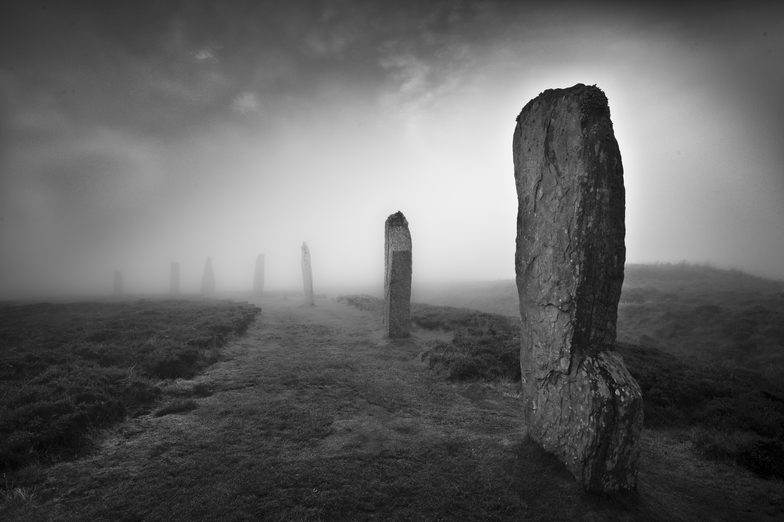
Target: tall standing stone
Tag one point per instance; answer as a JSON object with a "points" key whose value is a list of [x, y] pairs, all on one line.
{"points": [[208, 279], [118, 283], [397, 276], [307, 275], [580, 401], [258, 276], [174, 279]]}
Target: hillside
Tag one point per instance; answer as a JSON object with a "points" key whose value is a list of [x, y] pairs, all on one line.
{"points": [[719, 316]]}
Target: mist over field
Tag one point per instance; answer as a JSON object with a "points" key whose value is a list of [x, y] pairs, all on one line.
{"points": [[133, 136]]}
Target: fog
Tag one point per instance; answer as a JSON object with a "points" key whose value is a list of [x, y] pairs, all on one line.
{"points": [[136, 136]]}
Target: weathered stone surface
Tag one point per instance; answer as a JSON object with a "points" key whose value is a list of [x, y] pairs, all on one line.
{"points": [[258, 276], [307, 275], [174, 278], [118, 283], [580, 401], [397, 276], [208, 279]]}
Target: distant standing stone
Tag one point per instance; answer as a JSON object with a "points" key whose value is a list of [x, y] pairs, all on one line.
{"points": [[118, 283], [580, 401], [397, 276], [307, 275], [258, 276], [174, 279], [208, 279]]}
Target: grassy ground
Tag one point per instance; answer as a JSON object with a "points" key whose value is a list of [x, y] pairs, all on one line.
{"points": [[482, 345], [733, 415], [66, 369], [313, 416]]}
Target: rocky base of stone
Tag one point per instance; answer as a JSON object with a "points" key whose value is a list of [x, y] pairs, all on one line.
{"points": [[591, 419]]}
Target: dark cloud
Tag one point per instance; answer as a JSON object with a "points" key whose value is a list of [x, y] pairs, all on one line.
{"points": [[165, 66]]}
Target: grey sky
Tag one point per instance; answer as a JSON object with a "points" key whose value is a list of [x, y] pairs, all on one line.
{"points": [[134, 136]]}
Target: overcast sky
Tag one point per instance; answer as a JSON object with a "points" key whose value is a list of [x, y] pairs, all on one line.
{"points": [[134, 136]]}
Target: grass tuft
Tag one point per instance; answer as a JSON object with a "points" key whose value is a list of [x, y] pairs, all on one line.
{"points": [[20, 495], [20, 487]]}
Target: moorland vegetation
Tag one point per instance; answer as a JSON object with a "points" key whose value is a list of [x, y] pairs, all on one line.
{"points": [[313, 417], [706, 346], [69, 368]]}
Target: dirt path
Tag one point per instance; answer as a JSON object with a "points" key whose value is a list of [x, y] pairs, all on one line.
{"points": [[314, 416]]}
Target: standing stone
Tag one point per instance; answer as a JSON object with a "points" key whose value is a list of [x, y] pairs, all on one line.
{"points": [[174, 279], [208, 279], [118, 283], [258, 276], [307, 275], [397, 276], [580, 401]]}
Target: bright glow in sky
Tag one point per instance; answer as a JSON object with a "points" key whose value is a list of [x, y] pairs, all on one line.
{"points": [[134, 136]]}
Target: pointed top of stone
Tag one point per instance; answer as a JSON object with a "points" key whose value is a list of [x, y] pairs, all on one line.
{"points": [[397, 220]]}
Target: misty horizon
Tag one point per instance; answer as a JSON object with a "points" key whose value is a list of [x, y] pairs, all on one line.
{"points": [[139, 135], [420, 288]]}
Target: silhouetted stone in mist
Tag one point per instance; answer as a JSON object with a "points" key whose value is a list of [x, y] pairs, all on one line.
{"points": [[174, 279], [258, 276], [580, 402], [307, 275], [208, 279], [397, 276], [118, 283]]}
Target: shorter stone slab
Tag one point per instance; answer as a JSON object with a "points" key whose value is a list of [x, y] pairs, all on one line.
{"points": [[397, 276], [208, 279], [258, 276], [307, 275]]}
